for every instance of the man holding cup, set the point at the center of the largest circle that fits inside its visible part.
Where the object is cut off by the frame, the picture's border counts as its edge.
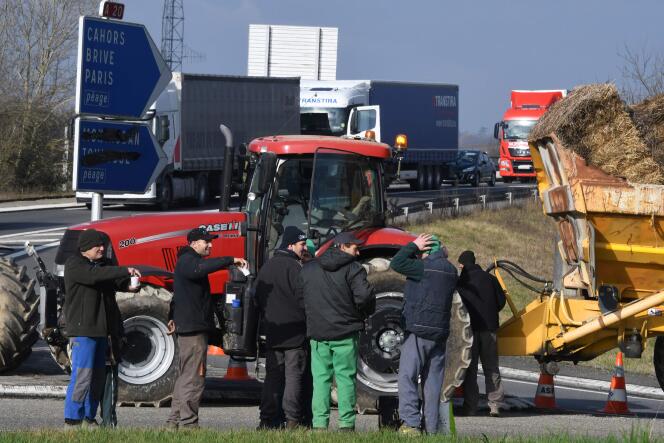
(191, 318)
(90, 285)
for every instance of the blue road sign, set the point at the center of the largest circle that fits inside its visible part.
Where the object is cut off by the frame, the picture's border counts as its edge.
(120, 70)
(115, 157)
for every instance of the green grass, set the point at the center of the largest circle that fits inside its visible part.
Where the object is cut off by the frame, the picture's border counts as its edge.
(525, 236)
(209, 436)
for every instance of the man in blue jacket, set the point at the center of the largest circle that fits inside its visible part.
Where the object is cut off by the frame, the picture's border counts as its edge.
(430, 285)
(192, 319)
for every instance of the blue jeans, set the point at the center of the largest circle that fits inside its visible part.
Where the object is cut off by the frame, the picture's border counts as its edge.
(88, 374)
(425, 359)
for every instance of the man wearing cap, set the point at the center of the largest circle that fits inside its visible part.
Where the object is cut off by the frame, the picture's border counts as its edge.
(337, 299)
(430, 285)
(90, 286)
(285, 330)
(484, 298)
(192, 319)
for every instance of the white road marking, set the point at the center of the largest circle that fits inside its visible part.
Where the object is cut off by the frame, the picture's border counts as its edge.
(38, 248)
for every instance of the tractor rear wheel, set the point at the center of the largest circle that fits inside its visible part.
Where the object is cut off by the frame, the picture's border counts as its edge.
(149, 360)
(19, 315)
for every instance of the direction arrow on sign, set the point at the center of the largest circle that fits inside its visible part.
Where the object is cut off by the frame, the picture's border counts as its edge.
(120, 70)
(115, 157)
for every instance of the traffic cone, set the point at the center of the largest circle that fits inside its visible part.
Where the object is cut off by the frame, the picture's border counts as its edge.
(617, 401)
(236, 370)
(215, 350)
(545, 398)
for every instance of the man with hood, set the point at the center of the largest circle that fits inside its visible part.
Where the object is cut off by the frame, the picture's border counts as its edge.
(430, 285)
(337, 299)
(191, 317)
(282, 313)
(484, 298)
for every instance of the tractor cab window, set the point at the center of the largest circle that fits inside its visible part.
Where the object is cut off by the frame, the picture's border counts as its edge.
(345, 194)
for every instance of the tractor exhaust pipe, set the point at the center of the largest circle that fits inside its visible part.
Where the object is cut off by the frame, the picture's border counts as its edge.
(227, 171)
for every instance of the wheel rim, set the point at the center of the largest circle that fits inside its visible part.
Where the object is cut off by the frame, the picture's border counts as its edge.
(376, 365)
(149, 352)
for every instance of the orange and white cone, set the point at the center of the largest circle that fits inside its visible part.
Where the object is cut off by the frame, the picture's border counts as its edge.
(545, 397)
(215, 350)
(236, 370)
(617, 401)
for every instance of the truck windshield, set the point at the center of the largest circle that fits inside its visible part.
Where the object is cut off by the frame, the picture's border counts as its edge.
(518, 129)
(313, 121)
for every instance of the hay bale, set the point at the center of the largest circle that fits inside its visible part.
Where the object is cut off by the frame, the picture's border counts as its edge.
(648, 116)
(593, 122)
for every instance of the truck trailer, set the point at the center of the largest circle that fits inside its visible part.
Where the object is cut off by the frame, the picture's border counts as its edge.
(186, 123)
(526, 107)
(427, 113)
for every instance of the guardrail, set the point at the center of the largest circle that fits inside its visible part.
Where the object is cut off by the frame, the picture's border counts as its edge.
(456, 202)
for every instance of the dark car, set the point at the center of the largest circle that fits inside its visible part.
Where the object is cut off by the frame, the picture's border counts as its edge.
(471, 166)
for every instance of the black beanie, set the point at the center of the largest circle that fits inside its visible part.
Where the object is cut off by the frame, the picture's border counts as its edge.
(467, 258)
(89, 239)
(292, 235)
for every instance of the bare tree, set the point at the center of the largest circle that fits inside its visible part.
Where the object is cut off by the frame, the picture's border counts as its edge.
(38, 41)
(643, 74)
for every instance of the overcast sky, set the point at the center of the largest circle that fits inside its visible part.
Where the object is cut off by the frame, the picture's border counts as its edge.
(487, 47)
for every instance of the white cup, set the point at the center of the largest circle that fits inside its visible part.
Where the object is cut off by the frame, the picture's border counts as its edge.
(135, 282)
(244, 270)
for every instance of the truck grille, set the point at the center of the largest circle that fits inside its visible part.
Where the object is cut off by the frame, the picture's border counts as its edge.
(522, 166)
(519, 152)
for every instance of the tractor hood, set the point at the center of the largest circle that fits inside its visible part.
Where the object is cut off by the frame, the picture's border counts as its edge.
(378, 238)
(152, 241)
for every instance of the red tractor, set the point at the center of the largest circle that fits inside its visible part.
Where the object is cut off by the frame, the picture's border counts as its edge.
(323, 185)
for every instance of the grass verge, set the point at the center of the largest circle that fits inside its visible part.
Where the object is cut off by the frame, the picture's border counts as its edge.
(525, 236)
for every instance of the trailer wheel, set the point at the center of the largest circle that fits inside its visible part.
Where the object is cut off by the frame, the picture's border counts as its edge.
(658, 360)
(421, 178)
(19, 315)
(437, 177)
(149, 365)
(202, 190)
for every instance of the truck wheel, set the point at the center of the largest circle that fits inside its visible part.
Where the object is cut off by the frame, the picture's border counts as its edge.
(19, 315)
(149, 364)
(437, 177)
(421, 178)
(658, 360)
(165, 194)
(202, 190)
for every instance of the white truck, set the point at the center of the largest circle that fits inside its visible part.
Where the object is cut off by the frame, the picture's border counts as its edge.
(427, 113)
(186, 123)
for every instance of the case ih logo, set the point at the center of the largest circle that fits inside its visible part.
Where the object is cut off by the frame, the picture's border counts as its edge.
(444, 101)
(217, 227)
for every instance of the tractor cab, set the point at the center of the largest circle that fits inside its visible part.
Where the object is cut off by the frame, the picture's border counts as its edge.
(322, 185)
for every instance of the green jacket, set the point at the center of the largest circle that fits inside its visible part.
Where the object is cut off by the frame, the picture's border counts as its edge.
(406, 262)
(90, 296)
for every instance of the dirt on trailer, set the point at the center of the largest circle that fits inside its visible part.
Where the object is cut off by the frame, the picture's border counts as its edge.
(596, 124)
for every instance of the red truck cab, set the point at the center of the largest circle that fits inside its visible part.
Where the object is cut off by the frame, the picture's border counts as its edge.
(512, 132)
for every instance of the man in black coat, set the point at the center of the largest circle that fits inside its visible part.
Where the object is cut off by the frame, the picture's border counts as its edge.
(285, 333)
(484, 298)
(337, 299)
(192, 319)
(90, 286)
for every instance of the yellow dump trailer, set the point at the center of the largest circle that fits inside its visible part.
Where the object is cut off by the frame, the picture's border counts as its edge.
(610, 288)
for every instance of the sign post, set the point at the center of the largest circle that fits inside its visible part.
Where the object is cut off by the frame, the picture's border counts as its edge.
(120, 73)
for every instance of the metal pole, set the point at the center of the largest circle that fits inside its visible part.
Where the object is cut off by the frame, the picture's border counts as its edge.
(97, 209)
(225, 196)
(65, 160)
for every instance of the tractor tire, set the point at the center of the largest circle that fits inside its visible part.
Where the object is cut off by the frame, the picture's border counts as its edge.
(381, 340)
(149, 360)
(658, 360)
(19, 315)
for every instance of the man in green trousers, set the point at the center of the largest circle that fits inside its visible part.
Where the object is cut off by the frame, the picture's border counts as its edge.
(337, 298)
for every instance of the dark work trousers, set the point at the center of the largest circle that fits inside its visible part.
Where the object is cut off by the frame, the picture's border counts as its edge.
(110, 398)
(188, 391)
(425, 360)
(485, 348)
(284, 385)
(88, 355)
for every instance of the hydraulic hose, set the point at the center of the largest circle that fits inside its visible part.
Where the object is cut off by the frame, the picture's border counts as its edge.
(519, 274)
